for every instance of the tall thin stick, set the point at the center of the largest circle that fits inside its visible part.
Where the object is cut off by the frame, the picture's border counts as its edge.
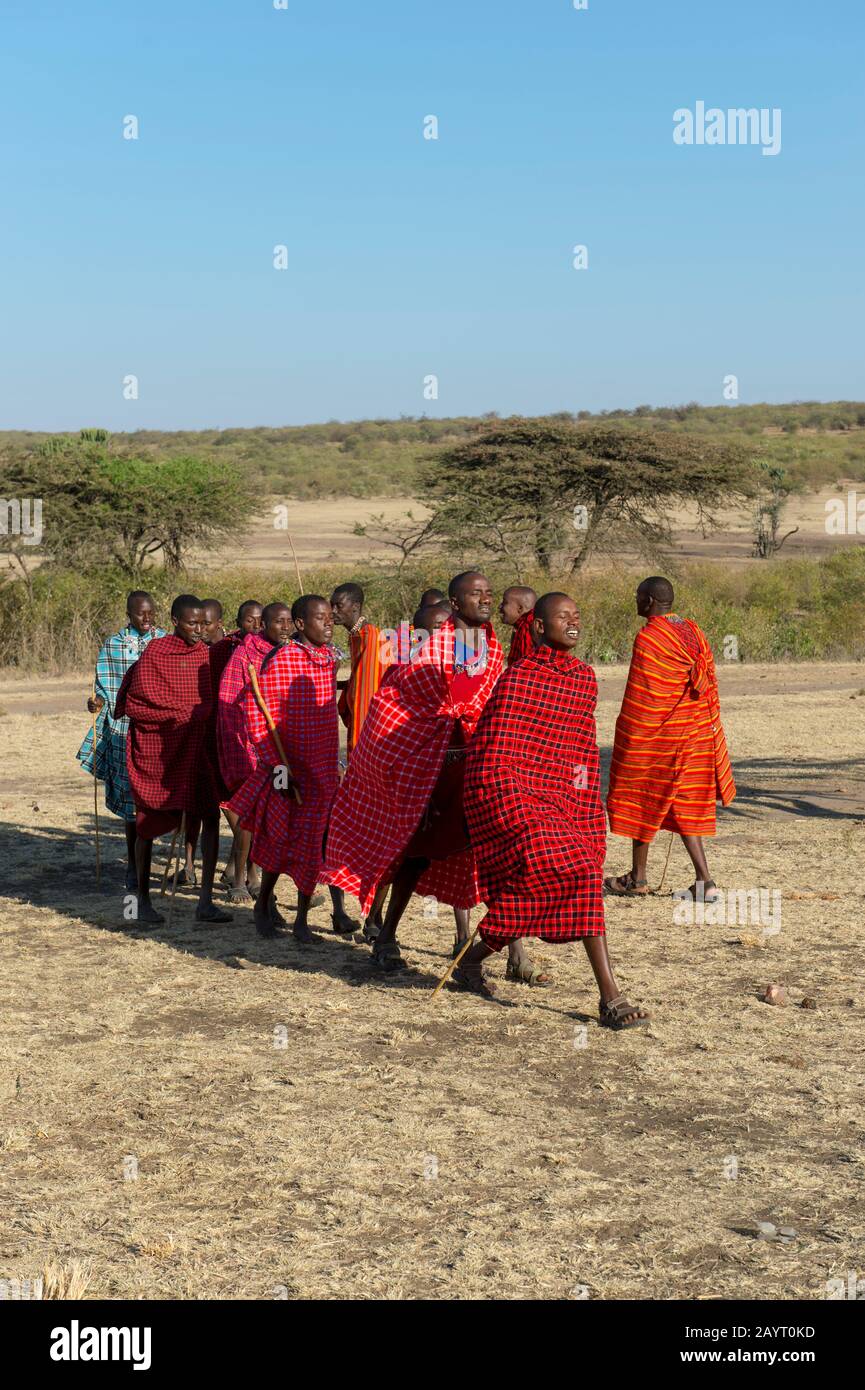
(453, 965)
(271, 724)
(96, 794)
(296, 565)
(165, 871)
(666, 862)
(181, 842)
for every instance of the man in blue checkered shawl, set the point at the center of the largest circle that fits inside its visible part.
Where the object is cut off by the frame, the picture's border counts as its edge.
(119, 652)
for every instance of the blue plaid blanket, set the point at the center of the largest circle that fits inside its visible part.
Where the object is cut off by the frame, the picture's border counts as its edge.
(120, 652)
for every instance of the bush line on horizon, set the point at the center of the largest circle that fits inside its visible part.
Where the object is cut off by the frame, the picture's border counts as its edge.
(796, 609)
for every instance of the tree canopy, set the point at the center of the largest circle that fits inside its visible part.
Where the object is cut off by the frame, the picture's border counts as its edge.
(556, 492)
(100, 507)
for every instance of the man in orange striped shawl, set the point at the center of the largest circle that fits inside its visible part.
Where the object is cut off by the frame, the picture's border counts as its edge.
(670, 761)
(367, 667)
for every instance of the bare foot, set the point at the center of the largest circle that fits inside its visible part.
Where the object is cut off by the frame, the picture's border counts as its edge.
(265, 924)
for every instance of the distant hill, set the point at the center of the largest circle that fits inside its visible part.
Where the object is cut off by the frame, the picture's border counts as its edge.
(819, 442)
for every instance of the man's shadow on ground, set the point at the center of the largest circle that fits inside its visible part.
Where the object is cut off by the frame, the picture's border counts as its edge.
(764, 785)
(54, 867)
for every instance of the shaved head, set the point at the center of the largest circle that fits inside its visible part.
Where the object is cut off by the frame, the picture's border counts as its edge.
(516, 601)
(429, 597)
(460, 582)
(432, 615)
(272, 608)
(471, 599)
(654, 595)
(523, 594)
(547, 602)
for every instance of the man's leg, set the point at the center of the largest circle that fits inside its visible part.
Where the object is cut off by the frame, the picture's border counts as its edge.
(639, 859)
(207, 911)
(520, 966)
(633, 883)
(299, 926)
(269, 921)
(373, 923)
(599, 959)
(694, 845)
(341, 921)
(252, 872)
(469, 973)
(263, 914)
(385, 950)
(147, 914)
(187, 873)
(519, 961)
(234, 876)
(462, 917)
(131, 871)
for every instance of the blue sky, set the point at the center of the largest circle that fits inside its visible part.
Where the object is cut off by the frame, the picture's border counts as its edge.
(410, 257)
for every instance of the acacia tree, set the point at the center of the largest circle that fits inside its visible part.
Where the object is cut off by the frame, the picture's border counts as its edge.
(559, 492)
(101, 508)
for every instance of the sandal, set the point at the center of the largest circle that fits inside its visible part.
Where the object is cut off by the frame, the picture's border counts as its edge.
(386, 956)
(615, 1012)
(524, 973)
(626, 886)
(343, 931)
(239, 894)
(369, 931)
(470, 980)
(704, 891)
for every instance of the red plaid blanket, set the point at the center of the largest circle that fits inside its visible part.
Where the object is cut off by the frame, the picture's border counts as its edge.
(237, 756)
(521, 638)
(168, 698)
(394, 768)
(533, 805)
(298, 684)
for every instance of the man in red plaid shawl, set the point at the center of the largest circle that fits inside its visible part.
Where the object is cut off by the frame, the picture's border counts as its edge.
(517, 609)
(398, 816)
(237, 757)
(168, 698)
(533, 806)
(298, 686)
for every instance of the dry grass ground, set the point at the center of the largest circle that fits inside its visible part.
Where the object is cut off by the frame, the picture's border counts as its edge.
(194, 1113)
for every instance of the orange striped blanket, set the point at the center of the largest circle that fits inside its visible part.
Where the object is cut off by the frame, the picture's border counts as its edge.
(670, 761)
(367, 669)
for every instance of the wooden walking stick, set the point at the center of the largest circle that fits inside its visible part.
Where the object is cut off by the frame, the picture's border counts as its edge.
(96, 793)
(296, 565)
(453, 965)
(180, 844)
(666, 862)
(165, 871)
(269, 721)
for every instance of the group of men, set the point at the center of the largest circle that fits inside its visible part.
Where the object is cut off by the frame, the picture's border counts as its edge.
(464, 782)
